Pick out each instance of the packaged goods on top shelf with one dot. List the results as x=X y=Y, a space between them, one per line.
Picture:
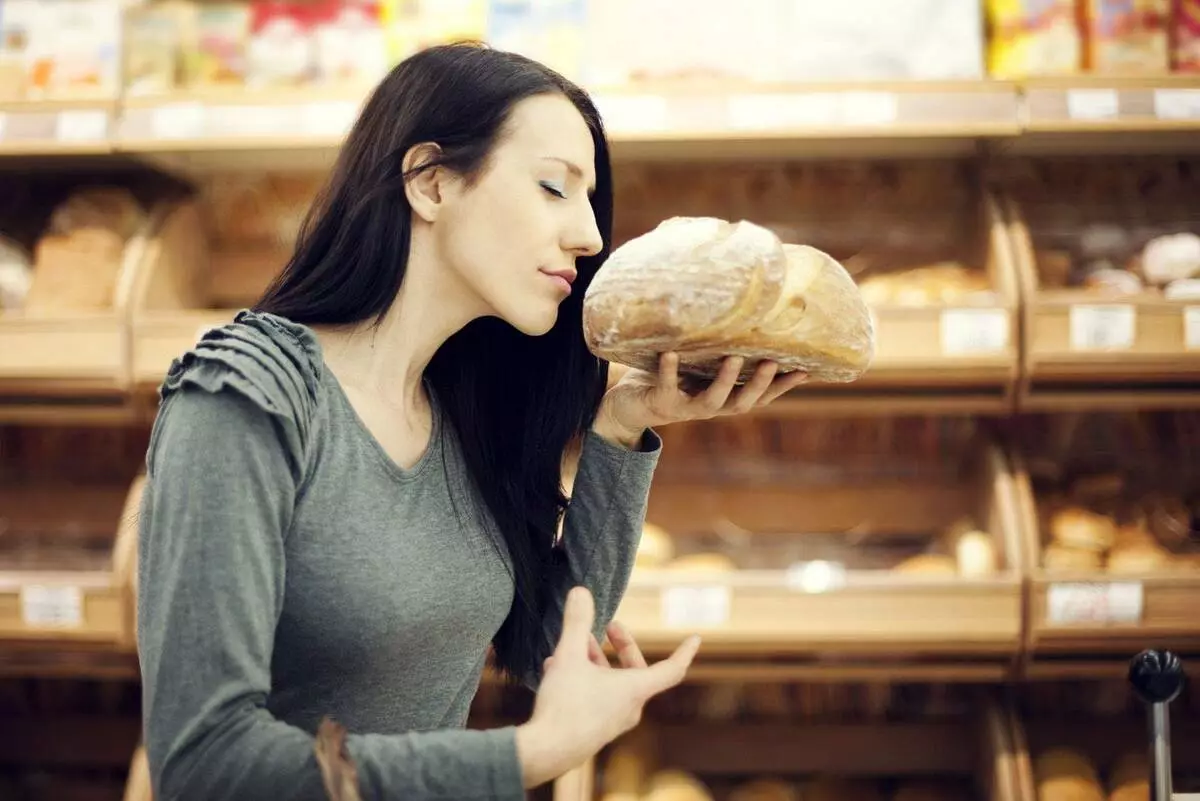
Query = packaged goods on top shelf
x=923 y=240
x=60 y=49
x=68 y=242
x=68 y=504
x=842 y=741
x=799 y=541
x=1114 y=556
x=211 y=255
x=67 y=739
x=1109 y=258
x=1088 y=740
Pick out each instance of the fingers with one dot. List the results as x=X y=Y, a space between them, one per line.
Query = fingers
x=782 y=385
x=579 y=613
x=666 y=674
x=596 y=653
x=752 y=392
x=668 y=374
x=713 y=399
x=628 y=652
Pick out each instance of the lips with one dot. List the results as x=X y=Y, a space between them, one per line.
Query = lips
x=563 y=278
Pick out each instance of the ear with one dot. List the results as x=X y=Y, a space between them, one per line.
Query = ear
x=426 y=189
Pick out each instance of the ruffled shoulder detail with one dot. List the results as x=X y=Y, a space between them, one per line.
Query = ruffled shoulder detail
x=271 y=361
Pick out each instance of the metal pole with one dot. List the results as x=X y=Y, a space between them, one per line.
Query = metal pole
x=1160 y=752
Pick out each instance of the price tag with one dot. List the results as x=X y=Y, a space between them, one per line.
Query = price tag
x=1095 y=602
x=1177 y=104
x=632 y=113
x=974 y=331
x=81 y=126
x=774 y=111
x=178 y=121
x=1191 y=327
x=869 y=108
x=48 y=606
x=1110 y=327
x=1093 y=104
x=695 y=607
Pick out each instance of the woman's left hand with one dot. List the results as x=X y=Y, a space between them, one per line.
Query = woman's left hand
x=641 y=399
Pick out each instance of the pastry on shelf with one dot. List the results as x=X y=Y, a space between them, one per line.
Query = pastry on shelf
x=16 y=275
x=1129 y=778
x=655 y=549
x=933 y=284
x=703 y=562
x=928 y=564
x=676 y=785
x=1065 y=774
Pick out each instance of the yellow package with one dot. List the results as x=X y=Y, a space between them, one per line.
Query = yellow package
x=1033 y=37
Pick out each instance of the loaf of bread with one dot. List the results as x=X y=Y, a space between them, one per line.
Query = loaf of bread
x=1076 y=527
x=676 y=785
x=708 y=289
x=928 y=564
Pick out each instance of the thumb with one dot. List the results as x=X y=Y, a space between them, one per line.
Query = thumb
x=579 y=613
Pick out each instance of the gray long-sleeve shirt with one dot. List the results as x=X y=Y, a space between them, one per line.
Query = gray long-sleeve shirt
x=289 y=569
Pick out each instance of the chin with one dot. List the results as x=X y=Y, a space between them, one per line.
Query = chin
x=533 y=325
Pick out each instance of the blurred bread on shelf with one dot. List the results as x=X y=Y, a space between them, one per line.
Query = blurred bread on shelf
x=765 y=789
x=1081 y=529
x=708 y=288
x=655 y=549
x=1129 y=777
x=934 y=284
x=928 y=564
x=1065 y=774
x=77 y=260
x=703 y=562
x=676 y=785
x=16 y=274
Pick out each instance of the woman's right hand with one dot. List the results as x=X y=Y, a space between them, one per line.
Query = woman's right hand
x=582 y=702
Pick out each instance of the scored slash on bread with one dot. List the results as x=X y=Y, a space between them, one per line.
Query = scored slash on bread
x=708 y=289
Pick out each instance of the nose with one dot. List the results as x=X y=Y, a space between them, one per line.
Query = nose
x=583 y=238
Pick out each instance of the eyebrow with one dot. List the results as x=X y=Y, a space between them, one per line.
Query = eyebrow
x=572 y=167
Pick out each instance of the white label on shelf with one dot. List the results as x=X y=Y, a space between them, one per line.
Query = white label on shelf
x=632 y=113
x=3 y=123
x=1093 y=104
x=1109 y=327
x=869 y=108
x=1191 y=327
x=695 y=607
x=1177 y=104
x=329 y=118
x=1095 y=602
x=50 y=606
x=178 y=121
x=81 y=125
x=967 y=331
x=775 y=111
x=816 y=576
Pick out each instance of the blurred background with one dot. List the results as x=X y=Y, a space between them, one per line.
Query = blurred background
x=924 y=585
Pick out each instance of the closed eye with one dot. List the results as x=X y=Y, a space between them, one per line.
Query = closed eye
x=554 y=190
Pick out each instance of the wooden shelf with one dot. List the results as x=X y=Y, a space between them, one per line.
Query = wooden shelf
x=974 y=749
x=858 y=616
x=1080 y=622
x=1100 y=103
x=57 y=127
x=66 y=577
x=1094 y=350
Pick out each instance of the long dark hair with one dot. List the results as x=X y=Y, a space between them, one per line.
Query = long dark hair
x=516 y=402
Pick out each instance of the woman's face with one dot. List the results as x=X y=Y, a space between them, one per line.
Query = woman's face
x=513 y=237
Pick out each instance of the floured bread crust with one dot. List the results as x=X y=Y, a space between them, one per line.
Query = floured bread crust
x=708 y=289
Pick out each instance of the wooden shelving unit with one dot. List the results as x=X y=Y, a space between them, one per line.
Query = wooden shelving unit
x=66 y=127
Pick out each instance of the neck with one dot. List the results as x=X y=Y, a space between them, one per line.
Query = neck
x=389 y=361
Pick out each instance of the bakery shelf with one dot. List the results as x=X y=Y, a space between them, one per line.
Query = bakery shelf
x=1098 y=333
x=1113 y=563
x=1098 y=103
x=75 y=127
x=790 y=739
x=209 y=256
x=64 y=574
x=71 y=242
x=797 y=563
x=67 y=739
x=1101 y=726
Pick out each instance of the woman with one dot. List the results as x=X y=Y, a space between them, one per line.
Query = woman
x=354 y=489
